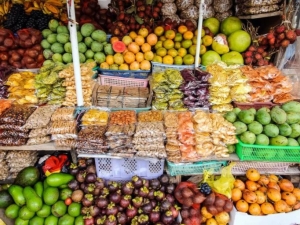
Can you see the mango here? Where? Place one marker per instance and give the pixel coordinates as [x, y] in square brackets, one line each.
[248, 137]
[240, 127]
[230, 117]
[262, 139]
[246, 116]
[279, 141]
[291, 106]
[263, 116]
[278, 115]
[295, 130]
[285, 129]
[292, 142]
[293, 117]
[252, 110]
[255, 127]
[236, 111]
[271, 130]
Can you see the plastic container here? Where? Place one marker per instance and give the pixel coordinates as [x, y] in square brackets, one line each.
[255, 105]
[159, 67]
[140, 74]
[262, 167]
[122, 82]
[123, 169]
[247, 152]
[194, 168]
[103, 3]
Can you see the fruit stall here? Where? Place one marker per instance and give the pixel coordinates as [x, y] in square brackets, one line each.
[141, 112]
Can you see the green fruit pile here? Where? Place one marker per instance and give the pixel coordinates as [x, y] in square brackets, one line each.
[92, 45]
[38, 203]
[279, 126]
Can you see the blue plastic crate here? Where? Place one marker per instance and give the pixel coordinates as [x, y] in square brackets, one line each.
[140, 74]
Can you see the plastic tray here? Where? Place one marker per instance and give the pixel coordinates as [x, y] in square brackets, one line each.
[194, 168]
[255, 105]
[124, 168]
[140, 74]
[262, 167]
[122, 82]
[247, 152]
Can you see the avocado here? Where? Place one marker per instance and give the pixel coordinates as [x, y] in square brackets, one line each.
[33, 201]
[27, 176]
[5, 199]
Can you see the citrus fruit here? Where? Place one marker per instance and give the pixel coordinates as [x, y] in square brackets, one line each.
[139, 57]
[157, 58]
[133, 47]
[143, 32]
[239, 41]
[182, 29]
[178, 37]
[158, 45]
[188, 35]
[145, 65]
[202, 49]
[149, 55]
[178, 60]
[162, 38]
[109, 59]
[207, 40]
[192, 50]
[127, 40]
[210, 57]
[161, 52]
[182, 52]
[114, 39]
[133, 35]
[140, 40]
[152, 39]
[230, 25]
[177, 45]
[194, 40]
[188, 59]
[233, 58]
[186, 44]
[168, 60]
[134, 66]
[129, 57]
[168, 44]
[170, 34]
[146, 47]
[118, 58]
[212, 24]
[172, 52]
[159, 31]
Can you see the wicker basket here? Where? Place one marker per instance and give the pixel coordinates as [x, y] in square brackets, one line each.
[122, 82]
[262, 167]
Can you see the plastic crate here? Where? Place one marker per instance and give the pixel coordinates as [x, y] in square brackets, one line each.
[123, 82]
[255, 105]
[159, 67]
[262, 167]
[247, 152]
[140, 74]
[123, 169]
[194, 168]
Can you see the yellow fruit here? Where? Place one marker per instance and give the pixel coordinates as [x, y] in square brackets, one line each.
[207, 40]
[186, 43]
[124, 66]
[134, 66]
[159, 31]
[118, 58]
[149, 55]
[140, 40]
[146, 47]
[202, 49]
[194, 40]
[182, 52]
[133, 35]
[168, 44]
[114, 39]
[145, 65]
[192, 50]
[211, 221]
[170, 34]
[178, 37]
[158, 45]
[178, 60]
[133, 47]
[161, 52]
[172, 52]
[152, 39]
[188, 35]
[182, 29]
[139, 57]
[168, 60]
[129, 57]
[162, 38]
[143, 32]
[188, 59]
[127, 40]
[157, 58]
[205, 213]
[177, 45]
[104, 65]
[109, 59]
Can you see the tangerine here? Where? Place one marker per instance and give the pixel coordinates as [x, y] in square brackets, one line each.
[149, 55]
[158, 45]
[253, 174]
[161, 52]
[157, 58]
[162, 38]
[104, 65]
[109, 59]
[134, 66]
[178, 60]
[152, 39]
[202, 49]
[113, 40]
[127, 40]
[267, 208]
[139, 57]
[177, 45]
[182, 52]
[133, 47]
[146, 47]
[186, 44]
[236, 194]
[145, 65]
[129, 57]
[182, 29]
[242, 206]
[207, 40]
[172, 52]
[133, 35]
[170, 34]
[188, 35]
[167, 59]
[143, 32]
[192, 50]
[188, 59]
[118, 58]
[168, 44]
[124, 66]
[254, 209]
[159, 31]
[139, 40]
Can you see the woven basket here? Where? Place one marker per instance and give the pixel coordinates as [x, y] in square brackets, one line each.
[262, 167]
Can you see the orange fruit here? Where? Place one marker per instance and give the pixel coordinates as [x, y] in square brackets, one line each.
[133, 47]
[146, 47]
[129, 57]
[104, 65]
[158, 45]
[134, 66]
[178, 60]
[194, 40]
[127, 40]
[161, 52]
[140, 40]
[159, 31]
[182, 52]
[157, 58]
[170, 34]
[124, 66]
[239, 184]
[177, 45]
[186, 43]
[202, 49]
[168, 60]
[182, 29]
[188, 35]
[188, 59]
[236, 194]
[168, 44]
[143, 32]
[149, 55]
[152, 39]
[207, 40]
[139, 57]
[172, 52]
[254, 209]
[133, 35]
[252, 174]
[192, 50]
[162, 38]
[242, 206]
[145, 65]
[178, 37]
[109, 59]
[267, 208]
[114, 39]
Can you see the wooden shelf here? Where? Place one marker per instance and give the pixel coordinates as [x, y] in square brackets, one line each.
[262, 15]
[43, 147]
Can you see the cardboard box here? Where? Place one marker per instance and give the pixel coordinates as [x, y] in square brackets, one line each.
[239, 218]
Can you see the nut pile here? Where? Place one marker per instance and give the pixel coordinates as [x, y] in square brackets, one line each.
[4, 166]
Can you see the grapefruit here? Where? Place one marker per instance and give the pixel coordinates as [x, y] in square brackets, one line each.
[230, 25]
[232, 58]
[210, 57]
[220, 45]
[119, 46]
[239, 41]
[212, 24]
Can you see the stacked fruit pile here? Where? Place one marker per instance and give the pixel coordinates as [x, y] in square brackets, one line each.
[264, 195]
[278, 126]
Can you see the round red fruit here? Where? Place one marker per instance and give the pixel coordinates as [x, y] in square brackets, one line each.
[281, 36]
[252, 48]
[258, 56]
[260, 50]
[272, 41]
[280, 29]
[270, 36]
[291, 35]
[285, 43]
[248, 61]
[248, 54]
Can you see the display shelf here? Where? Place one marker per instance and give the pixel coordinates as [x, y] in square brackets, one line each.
[43, 147]
[261, 15]
[232, 157]
[290, 171]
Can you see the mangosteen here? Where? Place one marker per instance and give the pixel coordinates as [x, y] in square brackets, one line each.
[112, 186]
[137, 202]
[155, 184]
[90, 178]
[137, 181]
[99, 183]
[164, 179]
[111, 209]
[111, 220]
[165, 205]
[73, 185]
[170, 198]
[89, 189]
[170, 188]
[143, 219]
[87, 200]
[159, 195]
[94, 211]
[154, 216]
[82, 163]
[80, 176]
[143, 192]
[91, 169]
[73, 170]
[115, 197]
[89, 161]
[167, 218]
[101, 202]
[122, 218]
[100, 220]
[131, 211]
[125, 201]
[147, 208]
[127, 188]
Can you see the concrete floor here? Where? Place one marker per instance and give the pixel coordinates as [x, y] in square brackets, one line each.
[6, 220]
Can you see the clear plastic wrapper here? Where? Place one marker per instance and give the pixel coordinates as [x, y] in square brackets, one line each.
[63, 136]
[12, 134]
[41, 117]
[63, 127]
[13, 127]
[251, 3]
[93, 134]
[65, 143]
[12, 141]
[16, 114]
[171, 119]
[147, 140]
[154, 153]
[117, 130]
[159, 105]
[40, 132]
[39, 140]
[150, 116]
[203, 122]
[95, 117]
[2, 155]
[259, 9]
[20, 155]
[120, 142]
[66, 113]
[150, 129]
[87, 145]
[122, 117]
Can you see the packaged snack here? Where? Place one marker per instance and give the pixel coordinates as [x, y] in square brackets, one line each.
[16, 114]
[95, 117]
[150, 116]
[65, 113]
[93, 134]
[122, 117]
[12, 141]
[39, 140]
[40, 132]
[63, 127]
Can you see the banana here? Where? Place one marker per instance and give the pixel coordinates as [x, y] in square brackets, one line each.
[2, 12]
[57, 3]
[51, 8]
[30, 9]
[35, 4]
[6, 7]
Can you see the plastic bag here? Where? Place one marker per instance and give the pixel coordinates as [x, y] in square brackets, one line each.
[150, 116]
[92, 133]
[39, 140]
[40, 132]
[63, 127]
[122, 117]
[224, 184]
[66, 113]
[16, 114]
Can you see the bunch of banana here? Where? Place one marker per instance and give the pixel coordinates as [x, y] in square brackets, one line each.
[5, 7]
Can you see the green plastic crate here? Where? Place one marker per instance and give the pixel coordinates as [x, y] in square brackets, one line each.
[194, 168]
[247, 152]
